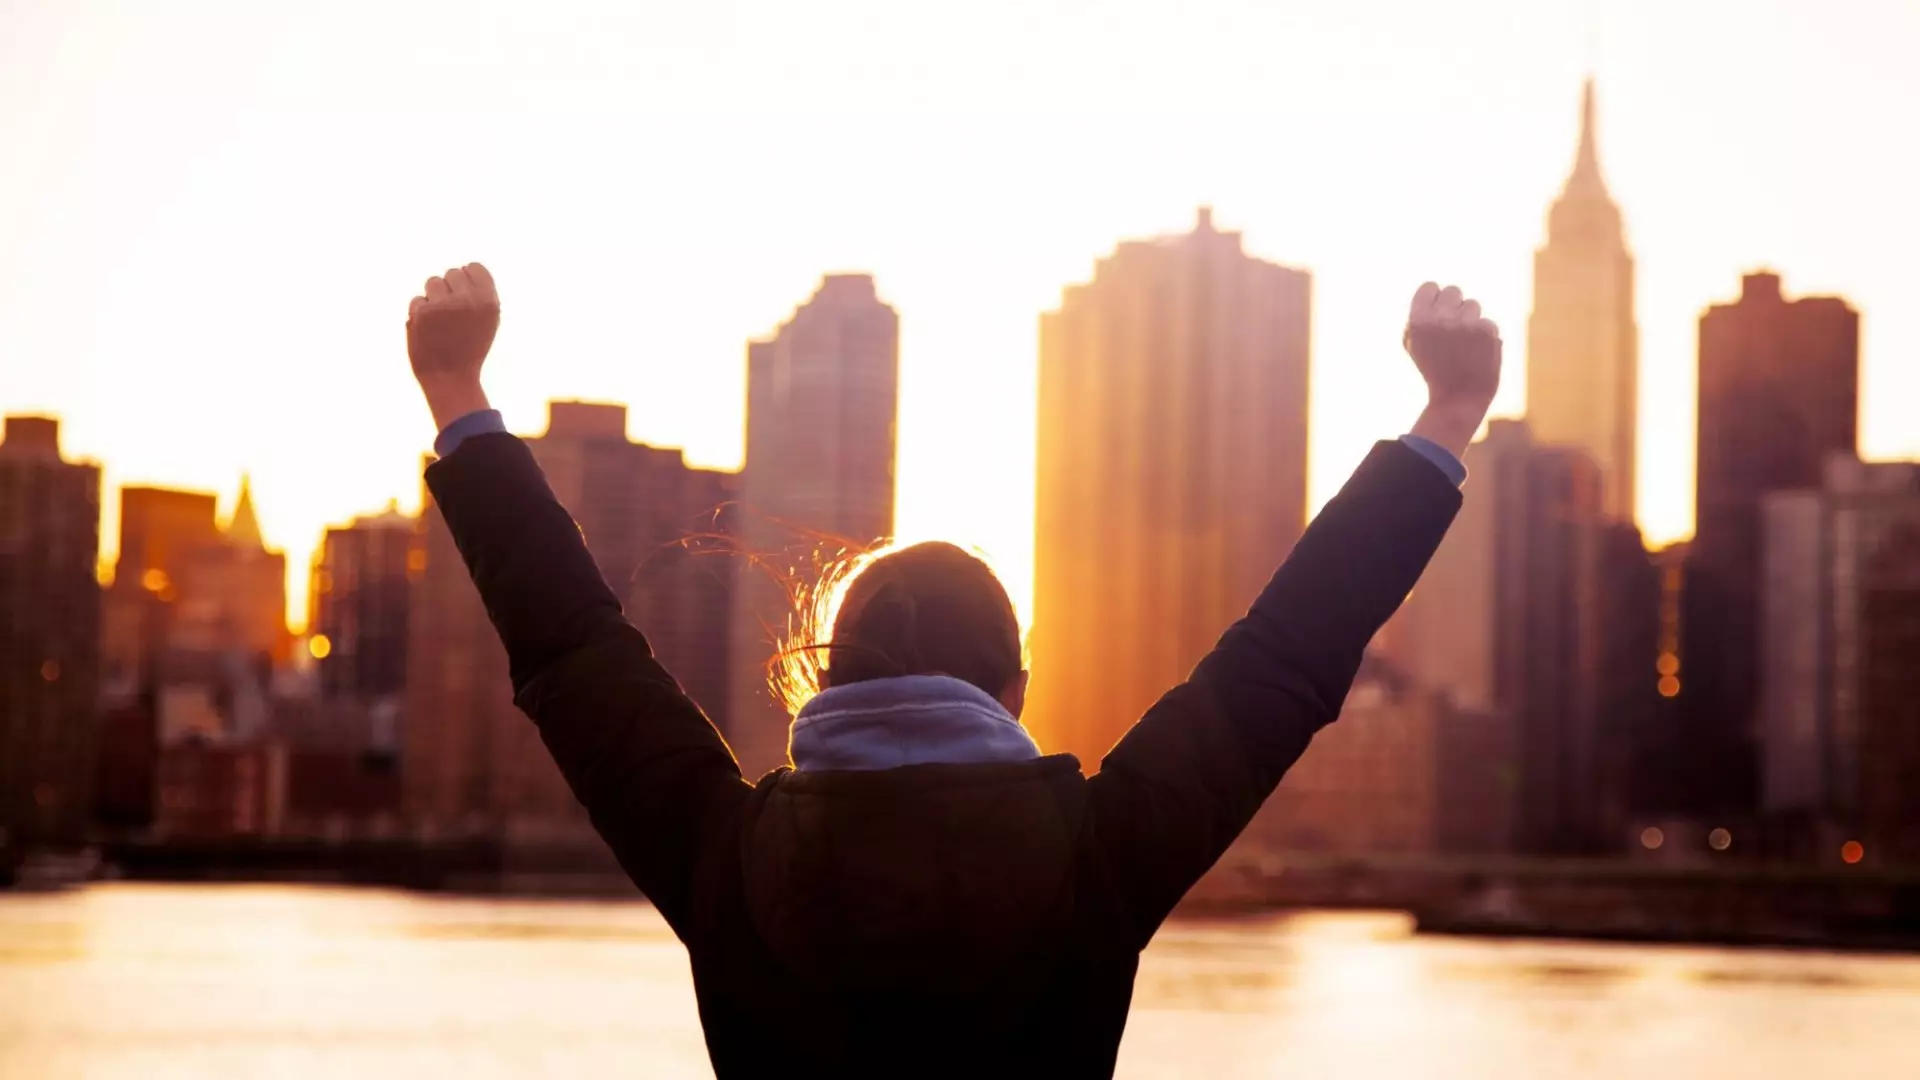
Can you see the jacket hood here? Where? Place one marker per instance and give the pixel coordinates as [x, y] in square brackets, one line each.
[910, 720]
[926, 879]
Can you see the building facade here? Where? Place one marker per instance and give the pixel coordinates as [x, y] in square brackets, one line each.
[362, 584]
[1839, 720]
[823, 402]
[1172, 472]
[49, 635]
[1510, 621]
[1779, 396]
[1583, 345]
[162, 532]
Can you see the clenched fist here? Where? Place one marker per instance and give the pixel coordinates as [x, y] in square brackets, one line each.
[1458, 353]
[450, 327]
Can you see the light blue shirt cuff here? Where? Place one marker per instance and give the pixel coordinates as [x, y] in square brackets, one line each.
[484, 422]
[1441, 457]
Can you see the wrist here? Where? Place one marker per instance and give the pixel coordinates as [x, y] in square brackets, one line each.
[1451, 424]
[450, 399]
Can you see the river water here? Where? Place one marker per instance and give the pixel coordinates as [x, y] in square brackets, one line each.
[160, 981]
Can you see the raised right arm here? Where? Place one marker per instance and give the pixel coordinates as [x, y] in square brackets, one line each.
[655, 777]
[1186, 780]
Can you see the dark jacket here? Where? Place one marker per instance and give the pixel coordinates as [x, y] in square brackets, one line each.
[933, 919]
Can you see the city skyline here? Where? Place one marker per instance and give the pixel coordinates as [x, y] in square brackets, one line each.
[176, 375]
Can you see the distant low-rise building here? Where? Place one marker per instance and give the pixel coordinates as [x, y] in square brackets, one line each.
[1369, 783]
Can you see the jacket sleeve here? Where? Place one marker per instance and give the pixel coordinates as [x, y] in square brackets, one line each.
[656, 778]
[1182, 784]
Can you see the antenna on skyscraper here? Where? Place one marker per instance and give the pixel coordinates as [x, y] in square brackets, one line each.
[1590, 40]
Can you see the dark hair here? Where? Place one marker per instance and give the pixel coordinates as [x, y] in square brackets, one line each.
[928, 609]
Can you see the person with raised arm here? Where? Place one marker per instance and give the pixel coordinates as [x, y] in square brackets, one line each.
[924, 891]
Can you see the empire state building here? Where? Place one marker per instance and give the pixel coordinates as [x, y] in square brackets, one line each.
[1583, 352]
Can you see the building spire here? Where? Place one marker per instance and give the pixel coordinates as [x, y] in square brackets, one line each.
[244, 527]
[1586, 163]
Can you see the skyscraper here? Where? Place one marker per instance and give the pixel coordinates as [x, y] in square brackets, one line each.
[49, 634]
[1508, 621]
[1583, 348]
[1172, 472]
[361, 591]
[1839, 714]
[472, 761]
[1779, 396]
[822, 402]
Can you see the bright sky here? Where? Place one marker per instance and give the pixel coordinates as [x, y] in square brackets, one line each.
[212, 214]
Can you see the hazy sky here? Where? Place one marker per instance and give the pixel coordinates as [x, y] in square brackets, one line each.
[212, 214]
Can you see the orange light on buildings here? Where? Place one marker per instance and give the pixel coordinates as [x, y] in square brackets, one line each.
[154, 580]
[1651, 838]
[319, 646]
[1668, 664]
[1669, 686]
[1852, 852]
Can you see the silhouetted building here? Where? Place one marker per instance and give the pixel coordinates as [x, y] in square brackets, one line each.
[1840, 658]
[160, 529]
[161, 532]
[210, 791]
[1779, 395]
[192, 603]
[1635, 745]
[233, 593]
[1583, 347]
[1369, 783]
[49, 634]
[1509, 621]
[1172, 458]
[472, 761]
[125, 794]
[1476, 780]
[361, 586]
[822, 402]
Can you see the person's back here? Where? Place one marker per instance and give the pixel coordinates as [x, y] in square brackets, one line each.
[923, 892]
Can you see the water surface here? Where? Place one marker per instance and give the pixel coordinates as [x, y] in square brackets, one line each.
[126, 981]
